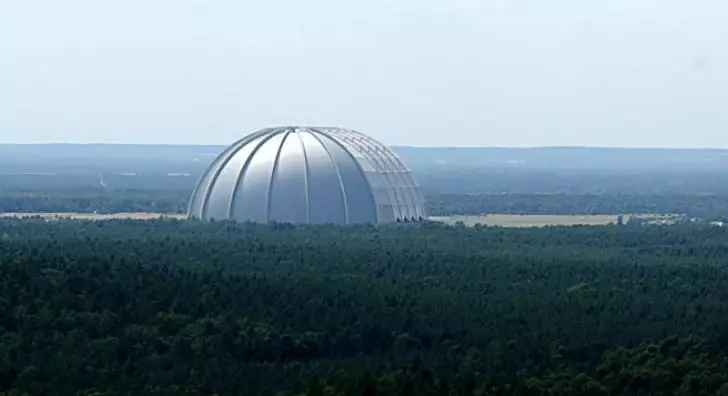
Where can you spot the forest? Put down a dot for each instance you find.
(168, 307)
(184, 307)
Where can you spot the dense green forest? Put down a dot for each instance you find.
(172, 307)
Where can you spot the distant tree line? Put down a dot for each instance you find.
(574, 182)
(457, 191)
(90, 200)
(436, 180)
(708, 207)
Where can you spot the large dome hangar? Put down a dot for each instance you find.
(308, 175)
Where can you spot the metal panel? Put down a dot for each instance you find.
(359, 198)
(326, 198)
(200, 196)
(389, 197)
(289, 197)
(252, 193)
(220, 193)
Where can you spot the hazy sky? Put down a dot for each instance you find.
(419, 72)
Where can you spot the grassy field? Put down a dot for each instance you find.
(96, 216)
(509, 220)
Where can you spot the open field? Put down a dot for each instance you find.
(503, 220)
(510, 220)
(97, 216)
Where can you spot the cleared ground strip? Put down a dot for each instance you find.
(511, 220)
(502, 220)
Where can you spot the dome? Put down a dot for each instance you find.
(308, 175)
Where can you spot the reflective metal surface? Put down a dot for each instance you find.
(308, 175)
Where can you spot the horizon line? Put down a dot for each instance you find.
(526, 147)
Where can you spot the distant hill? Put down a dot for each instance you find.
(122, 158)
(189, 158)
(27, 152)
(567, 158)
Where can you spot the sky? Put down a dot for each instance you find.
(637, 73)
